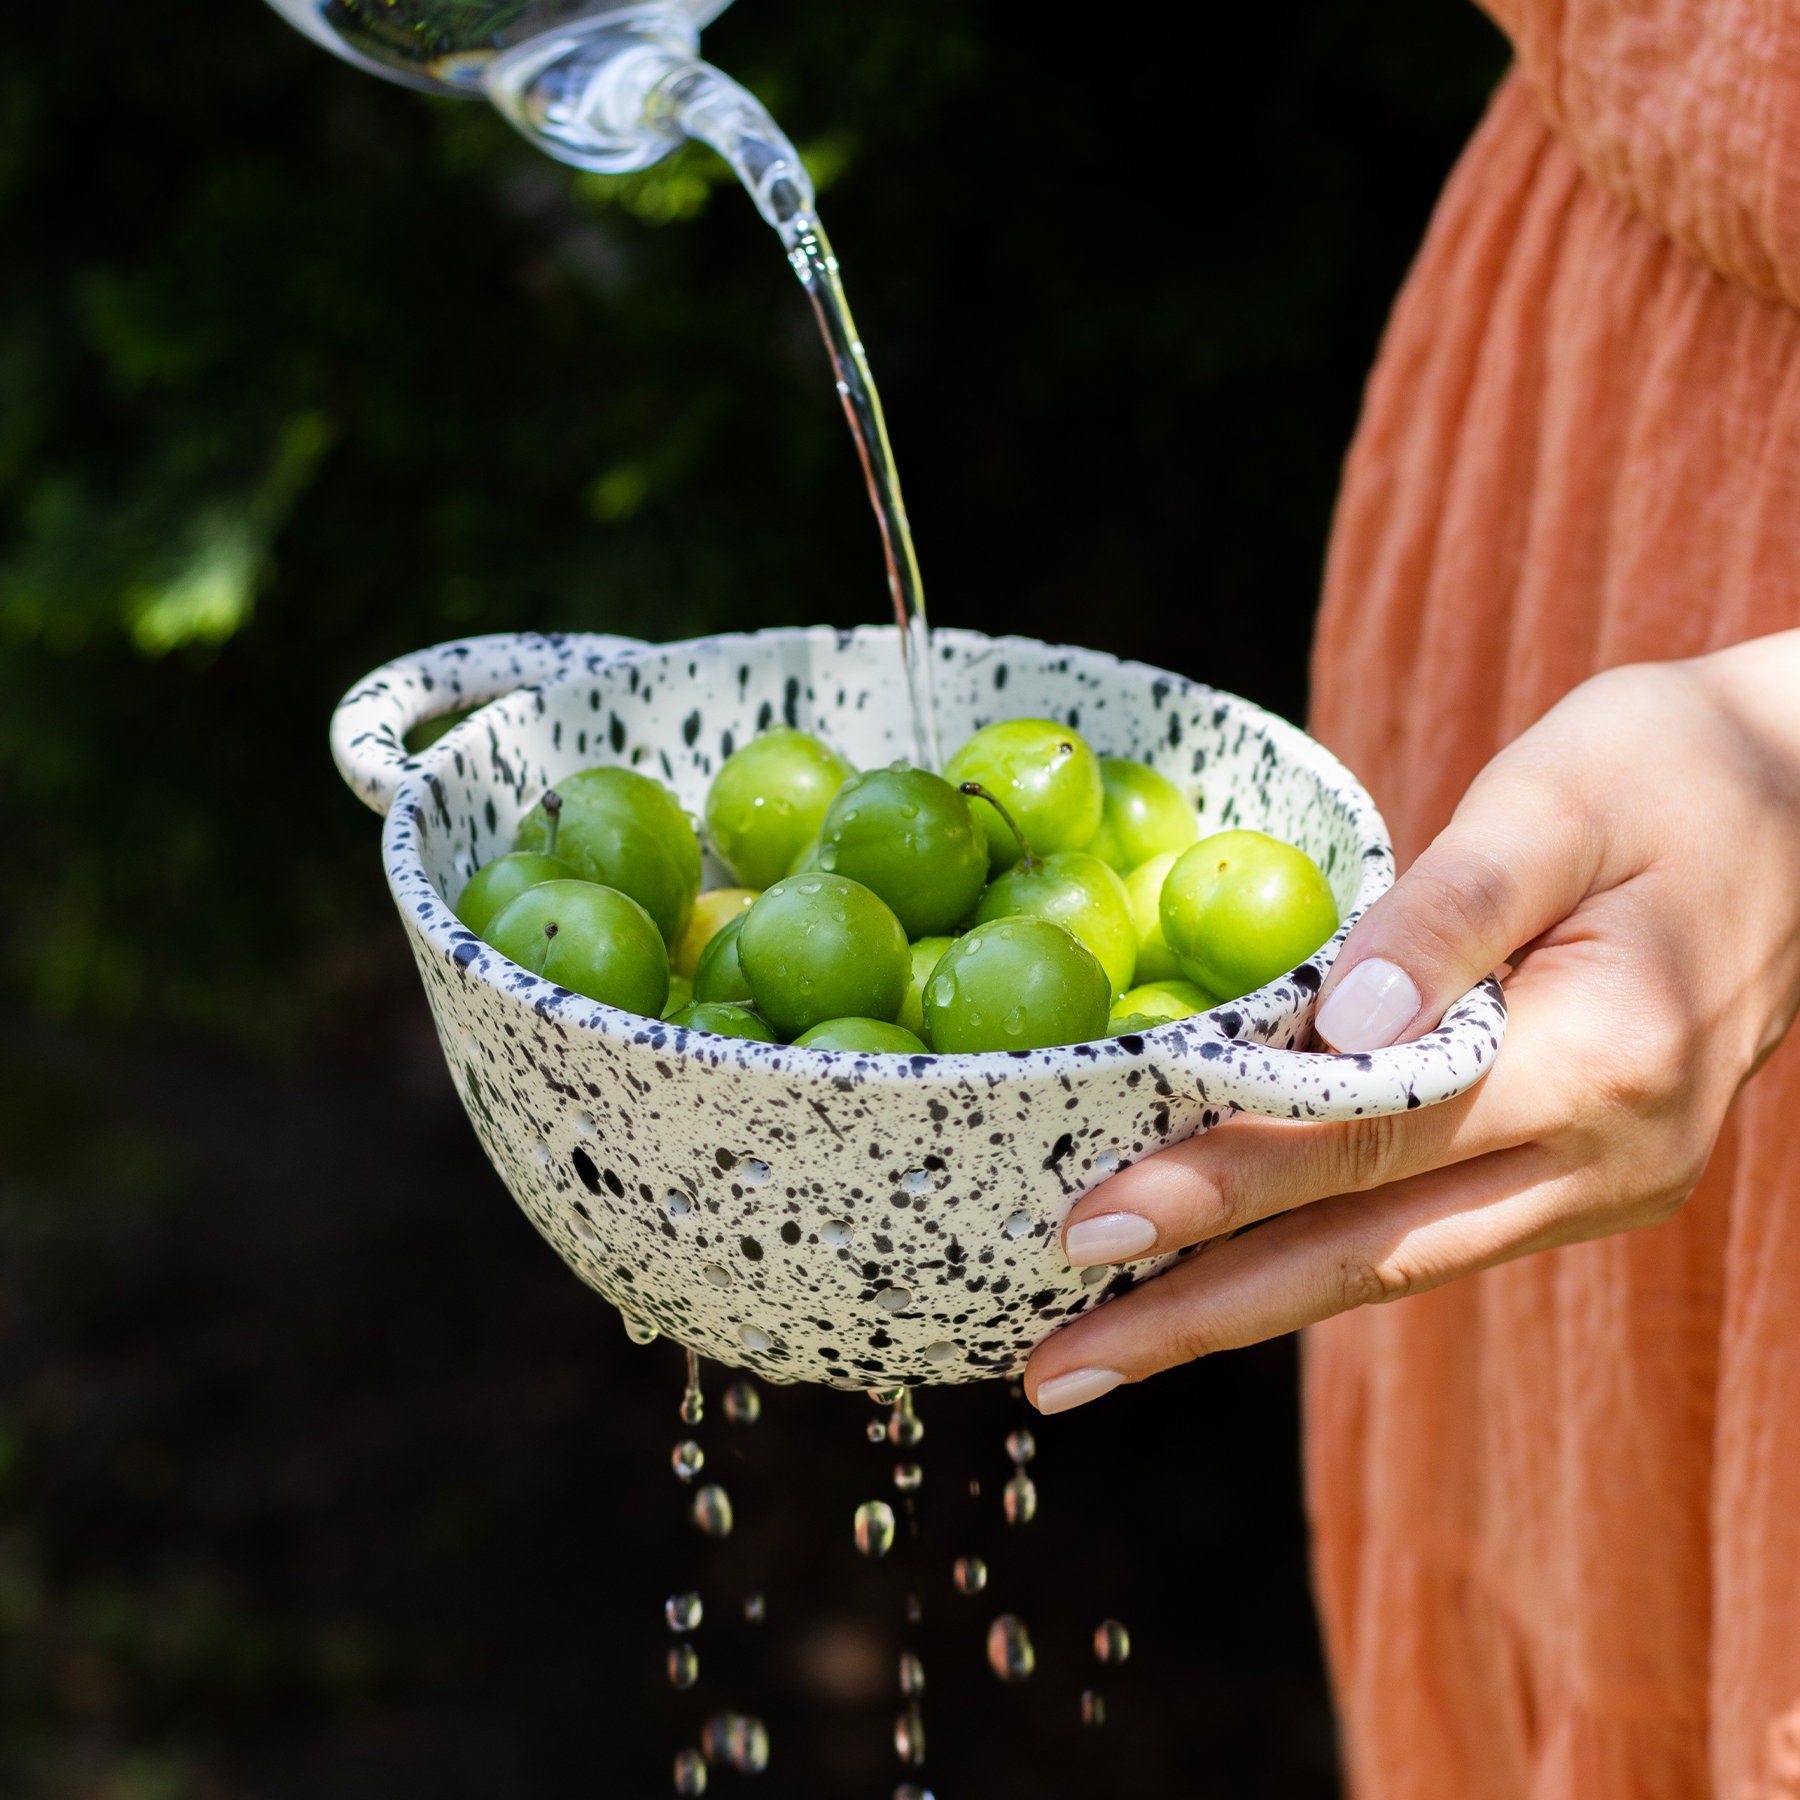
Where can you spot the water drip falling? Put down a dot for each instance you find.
(1019, 1498)
(690, 1772)
(1021, 1446)
(756, 1609)
(640, 1331)
(970, 1574)
(912, 1675)
(915, 1613)
(908, 1476)
(877, 1431)
(1093, 1707)
(909, 1736)
(687, 1459)
(743, 1404)
(905, 1428)
(1112, 1642)
(683, 1611)
(1010, 1652)
(909, 1790)
(738, 1740)
(684, 1665)
(875, 1528)
(711, 1511)
(693, 1401)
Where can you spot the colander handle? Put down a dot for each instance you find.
(368, 730)
(1300, 1084)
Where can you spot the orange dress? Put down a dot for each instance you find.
(1556, 1508)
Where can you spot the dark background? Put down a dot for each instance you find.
(319, 1475)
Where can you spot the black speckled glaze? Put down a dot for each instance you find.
(823, 1215)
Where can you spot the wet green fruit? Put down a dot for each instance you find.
(1161, 1001)
(712, 912)
(908, 836)
(1081, 894)
(591, 939)
(818, 946)
(625, 831)
(1144, 814)
(494, 884)
(718, 975)
(1044, 774)
(1016, 984)
(1143, 893)
(724, 1021)
(1241, 908)
(861, 1034)
(925, 954)
(768, 800)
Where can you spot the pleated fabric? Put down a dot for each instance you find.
(1556, 1508)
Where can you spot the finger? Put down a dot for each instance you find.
(1515, 860)
(1321, 1260)
(1251, 1169)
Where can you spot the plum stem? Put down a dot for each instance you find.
(552, 820)
(976, 791)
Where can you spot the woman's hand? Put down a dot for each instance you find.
(1635, 856)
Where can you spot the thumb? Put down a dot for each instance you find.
(1513, 862)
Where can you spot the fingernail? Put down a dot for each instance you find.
(1369, 1008)
(1108, 1238)
(1063, 1392)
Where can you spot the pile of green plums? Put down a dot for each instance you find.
(1033, 894)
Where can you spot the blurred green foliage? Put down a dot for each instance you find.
(299, 370)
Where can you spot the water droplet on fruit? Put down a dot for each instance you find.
(687, 1459)
(683, 1611)
(690, 1772)
(909, 1736)
(875, 1528)
(1019, 1498)
(1112, 1642)
(812, 887)
(1010, 1652)
(828, 858)
(743, 1404)
(1021, 1446)
(970, 1574)
(1014, 1022)
(943, 990)
(684, 1665)
(711, 1511)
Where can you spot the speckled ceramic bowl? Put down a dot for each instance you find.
(820, 1215)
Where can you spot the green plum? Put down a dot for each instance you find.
(1144, 814)
(1161, 1001)
(718, 975)
(925, 953)
(1046, 776)
(1131, 1024)
(908, 836)
(1016, 984)
(1078, 892)
(723, 1020)
(588, 938)
(860, 1034)
(681, 992)
(807, 856)
(1241, 908)
(504, 879)
(712, 911)
(768, 800)
(1143, 893)
(625, 831)
(819, 946)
